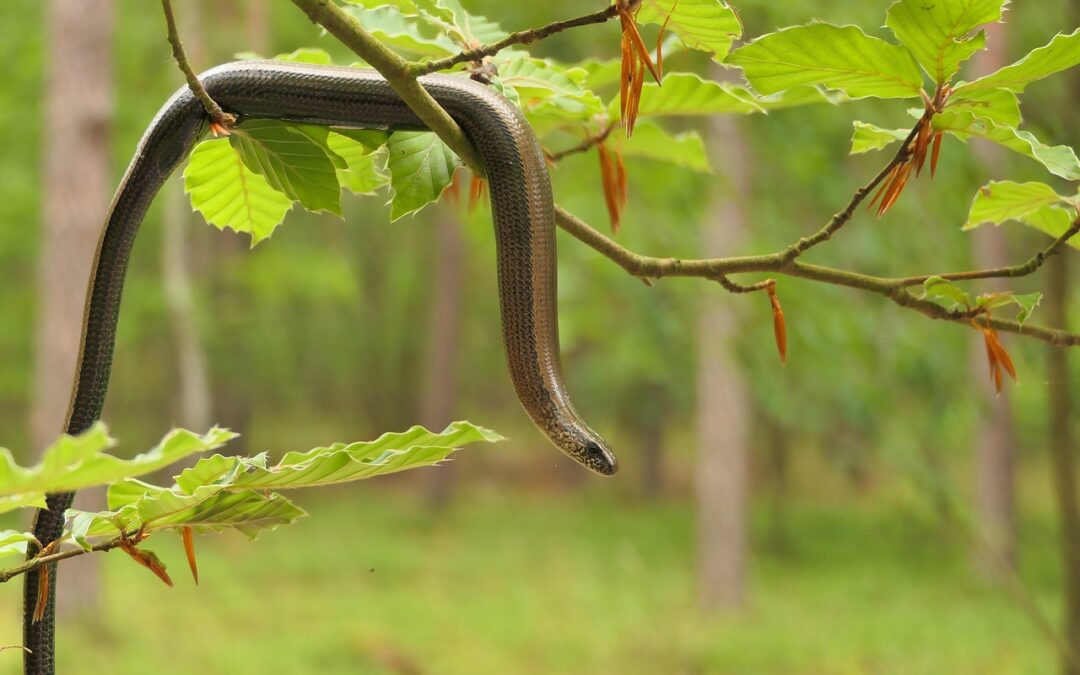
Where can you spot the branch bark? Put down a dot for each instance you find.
(217, 115)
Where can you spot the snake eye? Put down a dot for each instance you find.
(599, 459)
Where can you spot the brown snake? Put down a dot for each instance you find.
(522, 209)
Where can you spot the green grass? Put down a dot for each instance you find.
(375, 583)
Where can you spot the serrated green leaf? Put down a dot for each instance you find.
(30, 500)
(797, 97)
(230, 195)
(843, 58)
(651, 141)
(939, 33)
(338, 463)
(76, 462)
(1053, 221)
(540, 85)
(1026, 304)
(419, 33)
(294, 160)
(868, 137)
(13, 542)
(471, 28)
(364, 172)
(705, 25)
(421, 168)
(687, 94)
(1059, 160)
(945, 293)
(1000, 201)
(1062, 53)
(999, 105)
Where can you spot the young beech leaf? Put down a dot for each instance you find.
(843, 58)
(705, 25)
(1059, 160)
(689, 95)
(1062, 53)
(421, 168)
(1000, 201)
(230, 195)
(938, 33)
(868, 137)
(294, 159)
(1026, 303)
(946, 293)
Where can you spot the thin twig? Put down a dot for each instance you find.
(588, 144)
(217, 115)
(1011, 271)
(524, 37)
(737, 288)
(34, 563)
(844, 217)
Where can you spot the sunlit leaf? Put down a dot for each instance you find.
(1059, 160)
(705, 25)
(230, 195)
(651, 141)
(294, 160)
(13, 543)
(868, 137)
(946, 293)
(843, 58)
(1062, 53)
(364, 172)
(406, 34)
(1000, 201)
(938, 33)
(687, 94)
(998, 105)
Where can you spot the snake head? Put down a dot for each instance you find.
(591, 452)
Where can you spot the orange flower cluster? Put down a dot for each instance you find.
(613, 177)
(997, 357)
(635, 61)
(925, 143)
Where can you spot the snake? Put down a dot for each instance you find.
(523, 213)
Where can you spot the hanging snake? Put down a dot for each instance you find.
(522, 209)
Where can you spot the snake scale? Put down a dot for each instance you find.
(522, 209)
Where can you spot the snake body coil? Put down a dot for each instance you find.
(522, 208)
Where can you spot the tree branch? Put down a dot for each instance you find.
(217, 115)
(395, 69)
(520, 38)
(717, 268)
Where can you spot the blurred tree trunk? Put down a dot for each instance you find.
(192, 384)
(77, 182)
(439, 393)
(1063, 442)
(723, 411)
(995, 438)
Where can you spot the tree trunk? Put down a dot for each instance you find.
(192, 383)
(439, 393)
(723, 411)
(77, 180)
(995, 439)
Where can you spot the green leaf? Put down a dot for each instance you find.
(687, 94)
(76, 462)
(338, 463)
(1026, 304)
(868, 137)
(651, 141)
(938, 32)
(294, 160)
(13, 542)
(544, 87)
(230, 195)
(705, 25)
(1062, 53)
(421, 168)
(208, 509)
(998, 105)
(945, 293)
(470, 28)
(797, 97)
(363, 173)
(1059, 160)
(394, 29)
(838, 57)
(1000, 201)
(29, 500)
